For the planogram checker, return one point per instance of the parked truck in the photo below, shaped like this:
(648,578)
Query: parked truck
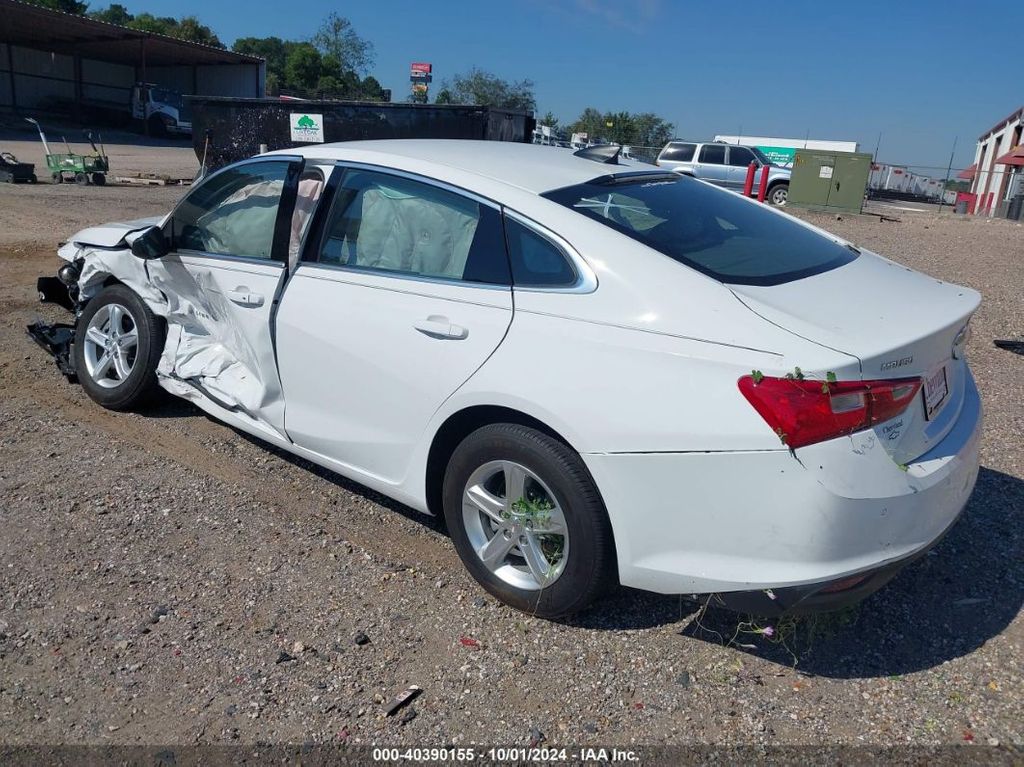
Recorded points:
(160,111)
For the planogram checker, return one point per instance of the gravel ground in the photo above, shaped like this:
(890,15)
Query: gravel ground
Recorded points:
(164,579)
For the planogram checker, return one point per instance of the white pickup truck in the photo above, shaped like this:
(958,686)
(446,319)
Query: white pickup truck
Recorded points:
(160,111)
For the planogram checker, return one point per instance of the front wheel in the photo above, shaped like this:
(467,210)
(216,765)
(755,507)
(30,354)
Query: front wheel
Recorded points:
(118,342)
(778,194)
(527,520)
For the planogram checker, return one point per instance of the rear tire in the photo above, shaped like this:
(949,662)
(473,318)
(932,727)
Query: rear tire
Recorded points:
(99,179)
(117,347)
(519,537)
(778,194)
(81,179)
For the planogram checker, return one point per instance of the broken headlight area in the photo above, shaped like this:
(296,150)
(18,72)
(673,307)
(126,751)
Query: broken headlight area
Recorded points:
(57,337)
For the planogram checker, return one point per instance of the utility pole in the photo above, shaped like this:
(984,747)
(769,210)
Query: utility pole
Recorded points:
(942,197)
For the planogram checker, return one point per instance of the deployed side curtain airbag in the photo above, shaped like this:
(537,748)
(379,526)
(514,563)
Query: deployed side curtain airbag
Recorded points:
(428,232)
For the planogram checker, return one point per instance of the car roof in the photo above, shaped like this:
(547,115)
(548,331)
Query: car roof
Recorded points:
(529,167)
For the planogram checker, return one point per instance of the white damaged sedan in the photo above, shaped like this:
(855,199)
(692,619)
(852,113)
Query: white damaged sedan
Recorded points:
(596,372)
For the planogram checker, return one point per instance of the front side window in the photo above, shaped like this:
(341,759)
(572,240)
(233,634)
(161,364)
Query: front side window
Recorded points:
(397,225)
(740,156)
(712,154)
(234,213)
(713,231)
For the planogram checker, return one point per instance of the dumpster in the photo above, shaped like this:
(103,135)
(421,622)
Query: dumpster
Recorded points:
(226,129)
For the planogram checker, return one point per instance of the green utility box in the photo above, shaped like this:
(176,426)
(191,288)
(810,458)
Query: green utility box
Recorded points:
(829,180)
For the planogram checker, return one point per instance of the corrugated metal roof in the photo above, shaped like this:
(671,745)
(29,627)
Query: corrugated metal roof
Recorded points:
(34,27)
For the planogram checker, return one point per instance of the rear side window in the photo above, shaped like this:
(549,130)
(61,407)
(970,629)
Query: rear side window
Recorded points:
(678,152)
(401,226)
(536,261)
(711,230)
(713,154)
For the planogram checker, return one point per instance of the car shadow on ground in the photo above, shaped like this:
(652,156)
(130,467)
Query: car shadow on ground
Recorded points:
(943,606)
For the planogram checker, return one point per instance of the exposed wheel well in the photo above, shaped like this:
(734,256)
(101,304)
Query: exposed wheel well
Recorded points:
(460,425)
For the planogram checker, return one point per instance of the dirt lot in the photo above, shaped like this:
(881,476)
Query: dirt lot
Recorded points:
(164,579)
(128,153)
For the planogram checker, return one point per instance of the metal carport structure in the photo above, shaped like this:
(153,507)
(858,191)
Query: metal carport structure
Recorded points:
(56,61)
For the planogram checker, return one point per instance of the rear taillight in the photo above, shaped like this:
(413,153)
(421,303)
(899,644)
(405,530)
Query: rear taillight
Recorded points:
(803,412)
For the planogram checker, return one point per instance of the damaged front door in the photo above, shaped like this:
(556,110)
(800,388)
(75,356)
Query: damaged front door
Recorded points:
(228,242)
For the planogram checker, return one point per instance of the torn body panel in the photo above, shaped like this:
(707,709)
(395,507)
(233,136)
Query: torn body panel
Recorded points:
(210,349)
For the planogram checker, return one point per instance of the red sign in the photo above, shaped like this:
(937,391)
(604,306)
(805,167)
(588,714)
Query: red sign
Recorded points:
(420,66)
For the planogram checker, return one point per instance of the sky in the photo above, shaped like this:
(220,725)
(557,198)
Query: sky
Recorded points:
(920,74)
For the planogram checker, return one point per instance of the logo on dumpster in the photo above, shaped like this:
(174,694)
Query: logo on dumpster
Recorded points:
(307,128)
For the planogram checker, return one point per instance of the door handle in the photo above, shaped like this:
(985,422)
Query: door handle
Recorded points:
(243,297)
(437,326)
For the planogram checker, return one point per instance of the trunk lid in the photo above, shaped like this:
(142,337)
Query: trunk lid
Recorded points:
(898,322)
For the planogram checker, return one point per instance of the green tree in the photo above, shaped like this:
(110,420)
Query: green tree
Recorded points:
(485,89)
(273,85)
(147,22)
(303,67)
(68,6)
(591,122)
(189,28)
(548,119)
(644,129)
(370,89)
(338,40)
(652,130)
(274,50)
(115,14)
(444,96)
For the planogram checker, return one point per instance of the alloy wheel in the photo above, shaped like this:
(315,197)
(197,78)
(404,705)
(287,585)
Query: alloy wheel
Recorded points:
(111,345)
(515,525)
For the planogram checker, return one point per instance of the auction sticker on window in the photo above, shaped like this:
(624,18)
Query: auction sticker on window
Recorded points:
(307,127)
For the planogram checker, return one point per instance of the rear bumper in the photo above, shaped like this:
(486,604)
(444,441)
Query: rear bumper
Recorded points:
(825,596)
(738,524)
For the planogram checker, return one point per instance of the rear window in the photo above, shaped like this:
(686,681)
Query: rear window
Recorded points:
(678,152)
(712,230)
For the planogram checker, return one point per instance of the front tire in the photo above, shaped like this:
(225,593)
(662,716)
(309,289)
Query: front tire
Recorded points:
(118,343)
(527,520)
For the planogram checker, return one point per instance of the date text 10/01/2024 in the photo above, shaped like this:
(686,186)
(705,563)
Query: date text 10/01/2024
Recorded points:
(503,754)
